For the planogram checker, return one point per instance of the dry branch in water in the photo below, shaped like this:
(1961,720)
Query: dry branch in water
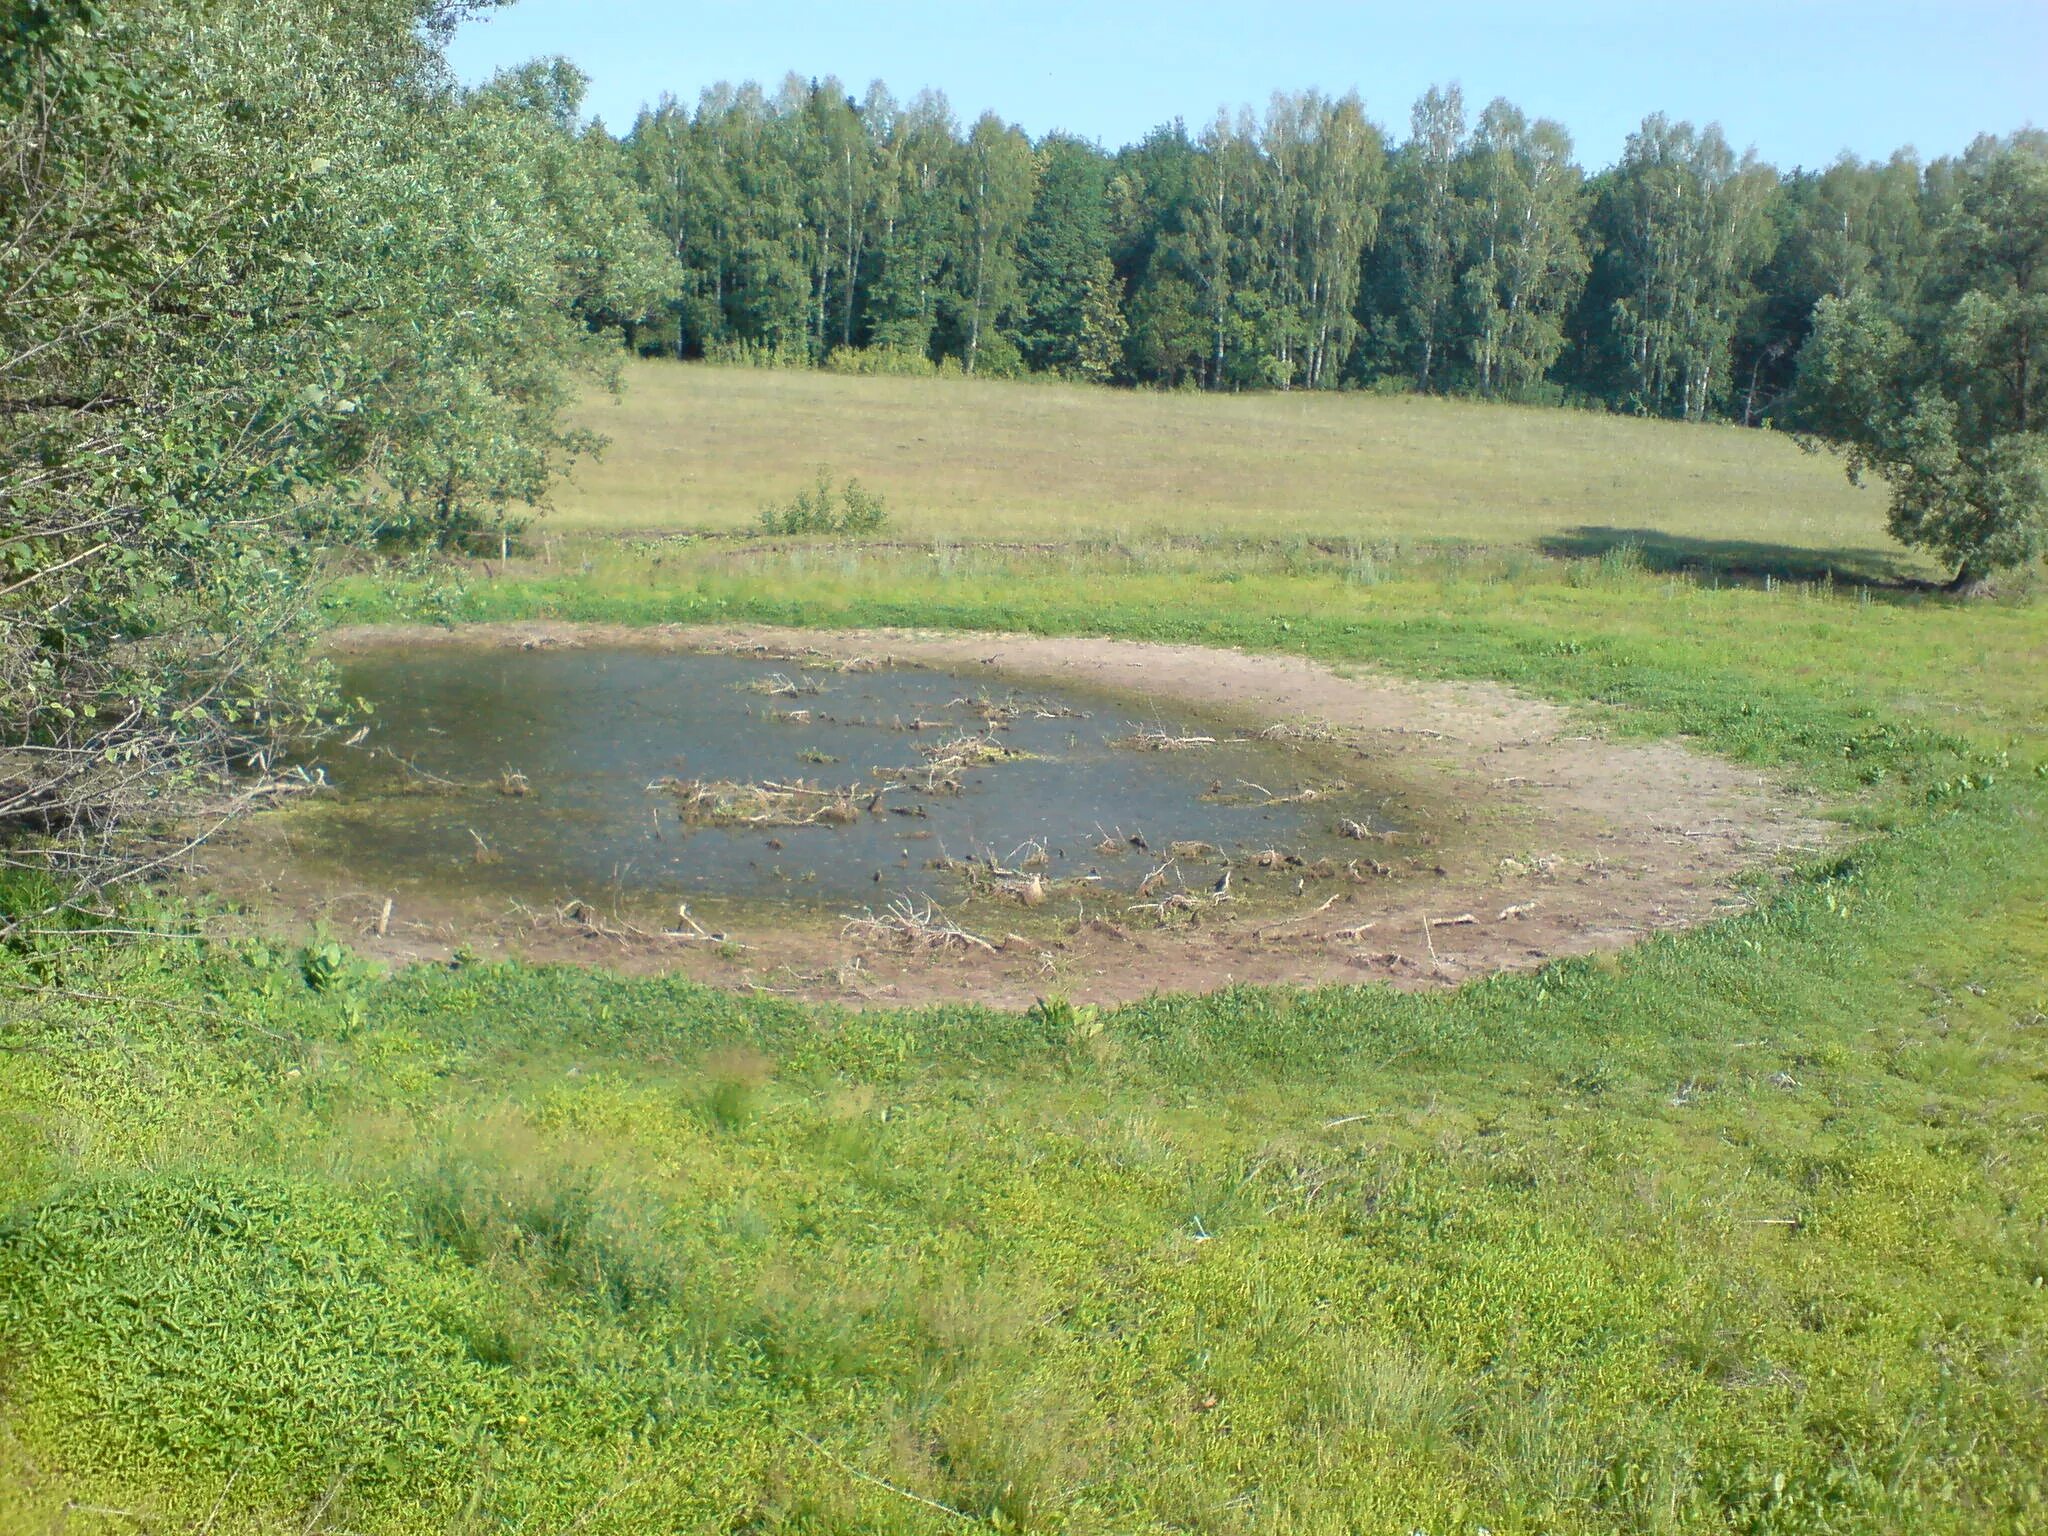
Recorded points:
(1146,738)
(1258,794)
(779,685)
(969,752)
(729,803)
(999,713)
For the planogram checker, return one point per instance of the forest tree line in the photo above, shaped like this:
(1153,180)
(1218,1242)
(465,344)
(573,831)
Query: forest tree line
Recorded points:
(1304,247)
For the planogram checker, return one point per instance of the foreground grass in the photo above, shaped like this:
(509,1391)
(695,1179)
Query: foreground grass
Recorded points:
(1744,1230)
(702,447)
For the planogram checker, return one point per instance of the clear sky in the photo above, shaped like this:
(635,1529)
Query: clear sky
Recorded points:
(1801,80)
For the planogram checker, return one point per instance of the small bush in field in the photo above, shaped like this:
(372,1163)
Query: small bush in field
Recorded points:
(851,508)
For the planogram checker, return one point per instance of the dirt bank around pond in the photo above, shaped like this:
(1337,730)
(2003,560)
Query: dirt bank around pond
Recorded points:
(1532,835)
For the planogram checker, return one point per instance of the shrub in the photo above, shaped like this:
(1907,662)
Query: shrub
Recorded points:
(907,362)
(757,354)
(851,508)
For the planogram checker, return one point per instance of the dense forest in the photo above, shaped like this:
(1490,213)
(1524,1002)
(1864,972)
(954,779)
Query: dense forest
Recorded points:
(1303,248)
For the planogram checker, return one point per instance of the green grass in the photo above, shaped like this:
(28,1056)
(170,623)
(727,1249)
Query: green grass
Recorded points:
(704,447)
(1745,1229)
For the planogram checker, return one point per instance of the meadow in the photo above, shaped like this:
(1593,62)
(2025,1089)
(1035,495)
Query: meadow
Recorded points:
(695,447)
(1741,1229)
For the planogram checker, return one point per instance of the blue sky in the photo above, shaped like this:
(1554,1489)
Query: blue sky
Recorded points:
(1800,80)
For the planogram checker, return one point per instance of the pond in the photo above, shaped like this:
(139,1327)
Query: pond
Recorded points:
(722,779)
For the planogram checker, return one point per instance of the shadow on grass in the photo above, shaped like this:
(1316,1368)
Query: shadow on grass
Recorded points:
(1740,561)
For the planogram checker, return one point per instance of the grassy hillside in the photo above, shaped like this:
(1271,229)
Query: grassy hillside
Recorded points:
(1742,1230)
(703,447)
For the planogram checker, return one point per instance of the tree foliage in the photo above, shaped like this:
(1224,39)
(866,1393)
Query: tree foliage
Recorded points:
(1298,248)
(1947,397)
(271,286)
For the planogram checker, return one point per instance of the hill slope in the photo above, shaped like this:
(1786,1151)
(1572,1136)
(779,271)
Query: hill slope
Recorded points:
(703,447)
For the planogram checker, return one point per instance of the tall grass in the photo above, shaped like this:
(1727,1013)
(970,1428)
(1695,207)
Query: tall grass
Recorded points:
(702,448)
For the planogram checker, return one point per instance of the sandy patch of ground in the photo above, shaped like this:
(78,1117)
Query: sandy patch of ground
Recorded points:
(1536,836)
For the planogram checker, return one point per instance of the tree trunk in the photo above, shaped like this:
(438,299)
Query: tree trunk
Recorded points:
(1970,580)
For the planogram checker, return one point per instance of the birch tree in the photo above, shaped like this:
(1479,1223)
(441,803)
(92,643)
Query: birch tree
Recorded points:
(1425,243)
(1686,227)
(1524,261)
(998,175)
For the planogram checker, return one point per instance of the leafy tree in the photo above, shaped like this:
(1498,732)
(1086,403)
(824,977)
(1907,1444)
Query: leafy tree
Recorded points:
(1422,261)
(1340,214)
(1317,212)
(1949,400)
(998,176)
(615,277)
(918,223)
(1064,245)
(269,284)
(1680,282)
(1525,262)
(1685,228)
(1168,340)
(1210,247)
(1858,224)
(1099,348)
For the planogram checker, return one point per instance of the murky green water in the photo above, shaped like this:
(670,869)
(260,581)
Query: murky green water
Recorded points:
(421,801)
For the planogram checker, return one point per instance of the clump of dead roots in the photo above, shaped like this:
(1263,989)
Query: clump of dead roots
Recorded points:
(969,752)
(905,924)
(799,803)
(1150,738)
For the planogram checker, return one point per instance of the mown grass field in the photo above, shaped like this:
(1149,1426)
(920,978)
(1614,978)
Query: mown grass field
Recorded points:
(705,447)
(1745,1229)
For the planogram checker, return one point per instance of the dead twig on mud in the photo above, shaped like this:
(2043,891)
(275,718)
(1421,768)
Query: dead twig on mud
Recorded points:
(1436,964)
(999,713)
(1315,731)
(1109,843)
(413,770)
(931,779)
(583,917)
(694,932)
(1183,902)
(1307,794)
(925,928)
(1299,917)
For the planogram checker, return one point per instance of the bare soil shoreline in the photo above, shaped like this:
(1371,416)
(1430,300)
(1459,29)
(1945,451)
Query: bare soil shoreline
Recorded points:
(1540,838)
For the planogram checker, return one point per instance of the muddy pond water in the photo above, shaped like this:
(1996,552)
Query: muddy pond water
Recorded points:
(731,780)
